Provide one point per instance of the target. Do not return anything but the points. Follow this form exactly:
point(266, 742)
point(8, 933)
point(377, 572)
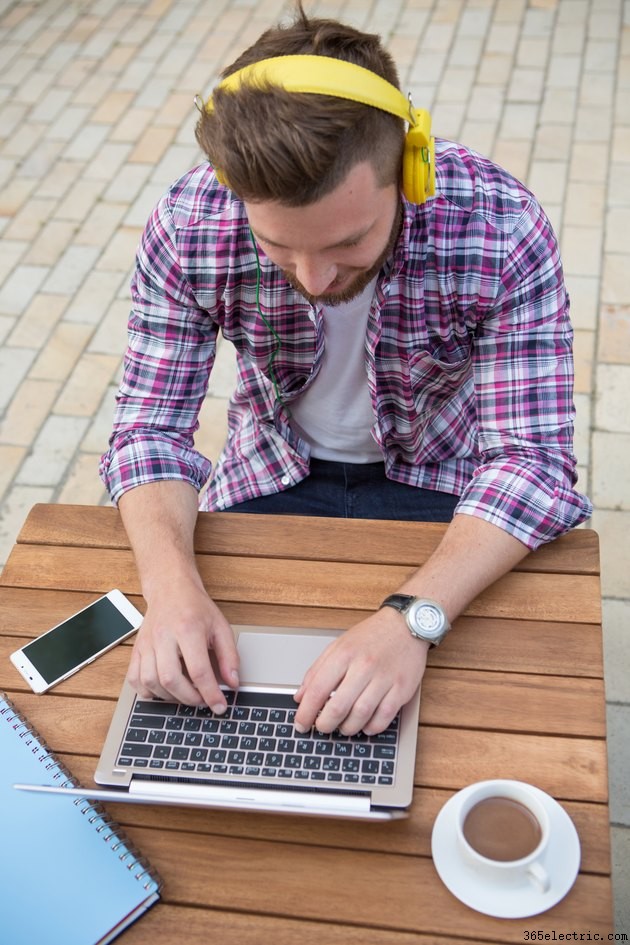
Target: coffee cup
point(503, 832)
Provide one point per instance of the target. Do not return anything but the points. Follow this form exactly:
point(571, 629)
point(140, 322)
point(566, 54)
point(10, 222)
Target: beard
point(360, 281)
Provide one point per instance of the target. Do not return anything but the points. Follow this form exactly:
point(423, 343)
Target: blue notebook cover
point(67, 874)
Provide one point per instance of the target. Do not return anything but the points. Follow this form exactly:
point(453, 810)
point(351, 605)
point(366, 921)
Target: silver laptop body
point(252, 758)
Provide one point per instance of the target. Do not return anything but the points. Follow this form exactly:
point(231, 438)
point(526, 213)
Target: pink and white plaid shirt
point(467, 354)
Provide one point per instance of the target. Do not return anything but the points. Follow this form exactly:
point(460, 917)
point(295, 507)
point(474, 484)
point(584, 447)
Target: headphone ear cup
point(419, 159)
point(220, 177)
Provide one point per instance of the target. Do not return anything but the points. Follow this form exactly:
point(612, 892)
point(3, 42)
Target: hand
point(171, 656)
point(372, 670)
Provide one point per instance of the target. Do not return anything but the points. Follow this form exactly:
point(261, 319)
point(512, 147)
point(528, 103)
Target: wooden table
point(516, 691)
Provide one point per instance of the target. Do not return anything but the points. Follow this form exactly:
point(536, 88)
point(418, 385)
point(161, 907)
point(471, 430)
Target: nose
point(315, 274)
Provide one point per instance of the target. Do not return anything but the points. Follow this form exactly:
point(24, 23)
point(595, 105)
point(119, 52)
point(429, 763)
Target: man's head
point(295, 148)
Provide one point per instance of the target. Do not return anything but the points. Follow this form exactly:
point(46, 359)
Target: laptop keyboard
point(254, 738)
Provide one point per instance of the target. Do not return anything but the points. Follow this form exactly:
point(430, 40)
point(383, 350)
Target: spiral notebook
point(68, 876)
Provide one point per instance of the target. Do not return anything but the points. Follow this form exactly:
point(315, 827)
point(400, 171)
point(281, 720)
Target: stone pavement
point(96, 120)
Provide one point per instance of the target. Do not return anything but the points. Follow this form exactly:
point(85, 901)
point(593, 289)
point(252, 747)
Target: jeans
point(354, 490)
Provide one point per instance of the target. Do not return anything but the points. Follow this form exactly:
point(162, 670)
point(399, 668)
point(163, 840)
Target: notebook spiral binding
point(98, 816)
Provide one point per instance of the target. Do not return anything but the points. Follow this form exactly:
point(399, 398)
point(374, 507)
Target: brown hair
point(295, 148)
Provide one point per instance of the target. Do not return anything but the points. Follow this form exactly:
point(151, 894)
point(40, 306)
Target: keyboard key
point(323, 748)
point(284, 731)
point(370, 766)
point(293, 761)
point(267, 744)
point(269, 772)
point(180, 754)
point(247, 728)
point(210, 725)
point(331, 764)
point(154, 763)
point(162, 751)
point(192, 739)
point(198, 754)
point(236, 769)
point(211, 740)
point(236, 757)
point(385, 751)
point(285, 773)
point(258, 715)
point(155, 707)
point(274, 760)
point(156, 736)
point(230, 741)
point(277, 715)
point(255, 758)
point(351, 764)
point(252, 771)
point(286, 744)
point(136, 751)
point(136, 735)
point(362, 750)
point(174, 723)
point(192, 725)
point(342, 749)
point(240, 712)
point(385, 780)
point(174, 738)
point(147, 721)
point(217, 756)
point(311, 763)
point(331, 776)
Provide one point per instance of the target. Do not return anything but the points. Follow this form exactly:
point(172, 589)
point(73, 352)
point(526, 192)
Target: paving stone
point(71, 270)
point(611, 398)
point(83, 485)
point(10, 460)
point(53, 451)
point(64, 347)
point(616, 624)
point(620, 837)
point(614, 334)
point(613, 528)
point(34, 326)
point(20, 287)
point(86, 386)
point(93, 299)
point(611, 452)
point(31, 404)
point(618, 724)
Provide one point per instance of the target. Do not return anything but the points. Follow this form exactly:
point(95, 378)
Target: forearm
point(472, 555)
point(159, 519)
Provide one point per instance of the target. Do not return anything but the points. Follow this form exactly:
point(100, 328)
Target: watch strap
point(399, 602)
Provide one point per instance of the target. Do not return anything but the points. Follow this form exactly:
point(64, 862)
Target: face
point(331, 249)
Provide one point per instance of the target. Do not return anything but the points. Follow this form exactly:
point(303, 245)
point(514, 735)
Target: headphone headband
point(324, 75)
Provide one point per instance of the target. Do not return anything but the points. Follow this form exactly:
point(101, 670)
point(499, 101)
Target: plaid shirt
point(467, 353)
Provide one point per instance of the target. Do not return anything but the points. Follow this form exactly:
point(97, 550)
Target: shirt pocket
point(433, 382)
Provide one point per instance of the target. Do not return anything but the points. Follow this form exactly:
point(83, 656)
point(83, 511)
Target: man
point(396, 359)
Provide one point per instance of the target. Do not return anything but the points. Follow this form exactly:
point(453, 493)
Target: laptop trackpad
point(279, 659)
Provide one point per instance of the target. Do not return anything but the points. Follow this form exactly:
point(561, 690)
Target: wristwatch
point(425, 619)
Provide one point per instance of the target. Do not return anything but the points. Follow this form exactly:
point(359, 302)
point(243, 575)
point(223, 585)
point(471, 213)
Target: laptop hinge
point(245, 796)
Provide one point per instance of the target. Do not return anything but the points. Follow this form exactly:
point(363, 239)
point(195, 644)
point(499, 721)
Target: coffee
point(500, 828)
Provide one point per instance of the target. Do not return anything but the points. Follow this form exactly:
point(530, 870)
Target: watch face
point(427, 620)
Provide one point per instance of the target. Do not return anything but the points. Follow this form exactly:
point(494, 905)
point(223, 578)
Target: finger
point(227, 655)
point(196, 658)
point(143, 676)
point(372, 714)
point(352, 707)
point(315, 694)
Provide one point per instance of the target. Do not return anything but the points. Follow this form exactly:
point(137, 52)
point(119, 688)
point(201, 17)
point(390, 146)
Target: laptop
point(252, 758)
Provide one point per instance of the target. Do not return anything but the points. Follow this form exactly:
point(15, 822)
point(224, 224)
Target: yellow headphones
point(323, 75)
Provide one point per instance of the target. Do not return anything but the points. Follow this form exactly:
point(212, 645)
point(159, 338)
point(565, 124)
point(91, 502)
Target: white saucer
point(562, 861)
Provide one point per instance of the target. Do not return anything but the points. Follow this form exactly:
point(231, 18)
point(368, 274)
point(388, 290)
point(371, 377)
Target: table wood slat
point(233, 928)
point(345, 886)
point(299, 537)
point(544, 705)
point(544, 648)
point(560, 597)
point(412, 838)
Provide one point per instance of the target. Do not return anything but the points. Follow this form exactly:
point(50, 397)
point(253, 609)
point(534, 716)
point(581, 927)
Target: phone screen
point(76, 640)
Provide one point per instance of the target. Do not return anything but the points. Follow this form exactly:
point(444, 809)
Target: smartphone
point(77, 641)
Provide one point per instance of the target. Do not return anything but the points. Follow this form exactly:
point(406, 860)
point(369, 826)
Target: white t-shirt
point(335, 414)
